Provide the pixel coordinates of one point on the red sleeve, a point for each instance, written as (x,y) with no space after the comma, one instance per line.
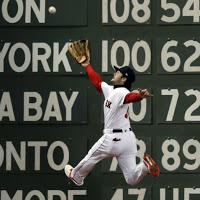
(94,77)
(132,97)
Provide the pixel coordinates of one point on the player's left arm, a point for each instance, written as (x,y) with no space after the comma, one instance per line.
(94,76)
(135,97)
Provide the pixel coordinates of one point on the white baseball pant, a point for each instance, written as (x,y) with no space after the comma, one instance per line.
(124,150)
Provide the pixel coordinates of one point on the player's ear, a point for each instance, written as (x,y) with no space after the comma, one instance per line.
(124,79)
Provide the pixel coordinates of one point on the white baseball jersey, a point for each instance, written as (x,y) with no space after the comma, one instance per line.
(115,112)
(121,145)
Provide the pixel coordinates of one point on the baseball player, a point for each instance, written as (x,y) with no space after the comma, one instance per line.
(118,139)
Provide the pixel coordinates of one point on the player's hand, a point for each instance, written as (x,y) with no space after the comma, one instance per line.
(144,93)
(84,64)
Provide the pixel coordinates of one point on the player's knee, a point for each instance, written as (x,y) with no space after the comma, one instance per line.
(130,182)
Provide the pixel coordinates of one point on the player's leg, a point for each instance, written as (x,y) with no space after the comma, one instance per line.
(133,174)
(127,160)
(95,154)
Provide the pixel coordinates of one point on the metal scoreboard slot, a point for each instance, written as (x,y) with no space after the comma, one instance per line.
(178,105)
(178,12)
(133,52)
(36,13)
(40,156)
(28,57)
(117,12)
(30,191)
(43,106)
(122,192)
(178,55)
(178,154)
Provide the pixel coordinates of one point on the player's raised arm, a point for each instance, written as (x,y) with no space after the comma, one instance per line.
(81,53)
(94,76)
(135,97)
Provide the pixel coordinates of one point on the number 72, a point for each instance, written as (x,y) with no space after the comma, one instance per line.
(188,114)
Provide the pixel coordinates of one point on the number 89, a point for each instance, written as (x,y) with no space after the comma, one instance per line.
(174,154)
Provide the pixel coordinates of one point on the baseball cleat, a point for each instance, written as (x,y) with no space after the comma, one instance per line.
(68,171)
(151,165)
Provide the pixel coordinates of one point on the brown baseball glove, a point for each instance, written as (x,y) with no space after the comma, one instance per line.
(80,51)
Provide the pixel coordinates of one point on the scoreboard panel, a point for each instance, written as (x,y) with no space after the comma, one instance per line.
(178,12)
(178,56)
(51,114)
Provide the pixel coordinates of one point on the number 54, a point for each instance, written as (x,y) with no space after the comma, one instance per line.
(187,11)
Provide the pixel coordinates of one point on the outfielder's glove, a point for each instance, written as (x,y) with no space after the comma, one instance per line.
(80,51)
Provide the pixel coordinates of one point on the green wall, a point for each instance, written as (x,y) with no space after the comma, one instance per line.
(51,114)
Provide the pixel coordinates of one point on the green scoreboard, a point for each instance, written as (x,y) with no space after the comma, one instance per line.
(51,114)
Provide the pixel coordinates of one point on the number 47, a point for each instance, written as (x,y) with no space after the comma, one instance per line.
(119,193)
(188,114)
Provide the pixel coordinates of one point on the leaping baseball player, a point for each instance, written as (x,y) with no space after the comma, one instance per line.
(118,139)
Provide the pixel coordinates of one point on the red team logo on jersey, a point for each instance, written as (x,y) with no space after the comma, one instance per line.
(108,103)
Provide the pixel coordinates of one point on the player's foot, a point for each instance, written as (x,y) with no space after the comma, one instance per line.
(68,171)
(151,165)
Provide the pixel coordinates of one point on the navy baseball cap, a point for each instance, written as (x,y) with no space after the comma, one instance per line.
(127,72)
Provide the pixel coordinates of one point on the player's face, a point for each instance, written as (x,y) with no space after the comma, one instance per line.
(117,78)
